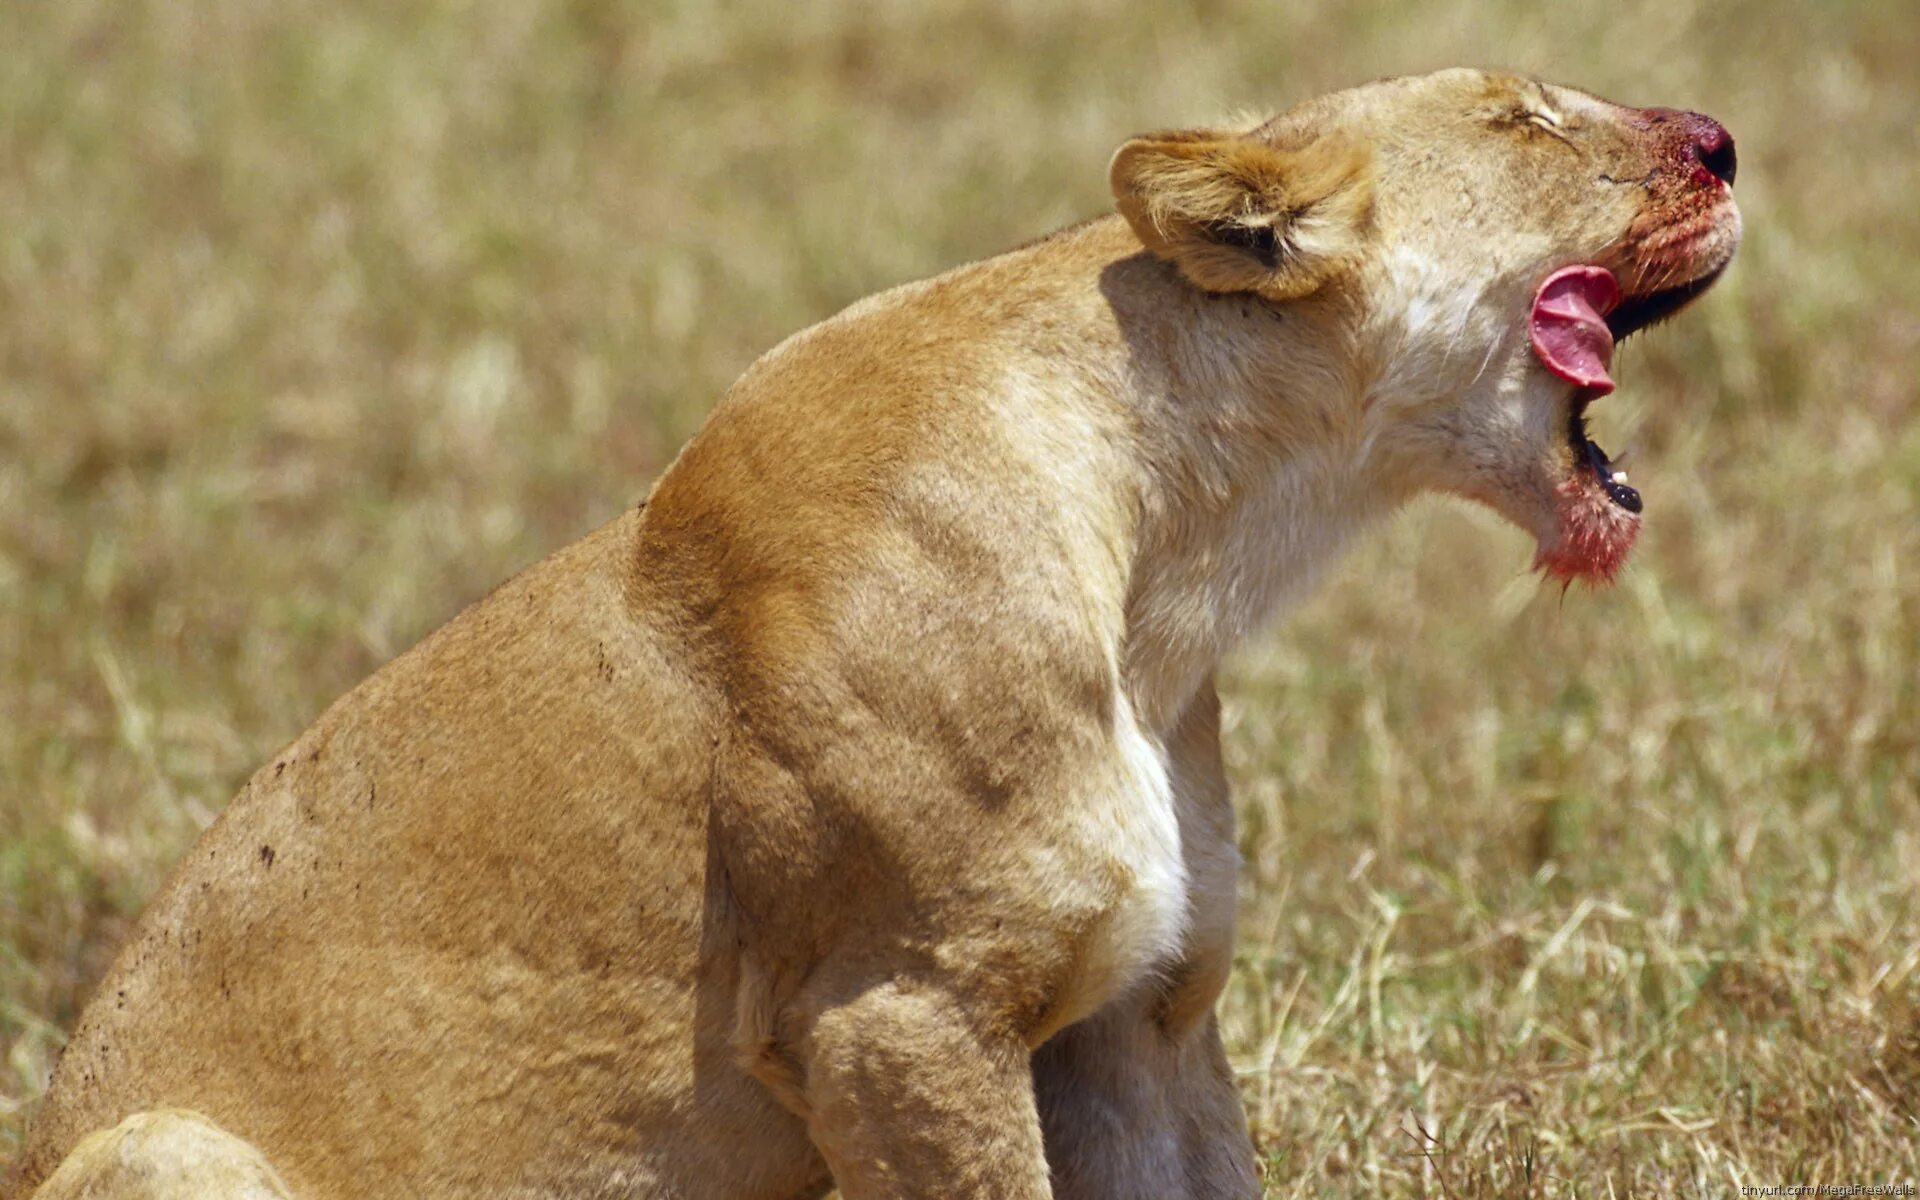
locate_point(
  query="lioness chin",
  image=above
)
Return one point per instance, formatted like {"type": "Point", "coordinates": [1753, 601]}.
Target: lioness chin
{"type": "Point", "coordinates": [852, 812]}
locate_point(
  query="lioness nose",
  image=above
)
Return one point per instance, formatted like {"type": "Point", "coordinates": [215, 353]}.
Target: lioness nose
{"type": "Point", "coordinates": [1713, 147]}
{"type": "Point", "coordinates": [1696, 136]}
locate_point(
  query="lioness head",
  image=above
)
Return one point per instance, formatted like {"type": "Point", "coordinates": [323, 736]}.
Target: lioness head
{"type": "Point", "coordinates": [1484, 240]}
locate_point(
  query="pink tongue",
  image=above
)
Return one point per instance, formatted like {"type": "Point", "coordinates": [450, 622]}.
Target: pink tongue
{"type": "Point", "coordinates": [1569, 327]}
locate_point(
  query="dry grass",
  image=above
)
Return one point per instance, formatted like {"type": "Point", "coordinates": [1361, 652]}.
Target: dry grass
{"type": "Point", "coordinates": [317, 319]}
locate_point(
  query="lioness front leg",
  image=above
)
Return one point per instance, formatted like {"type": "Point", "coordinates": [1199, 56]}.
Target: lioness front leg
{"type": "Point", "coordinates": [1137, 1101]}
{"type": "Point", "coordinates": [909, 1097]}
{"type": "Point", "coordinates": [1138, 1108]}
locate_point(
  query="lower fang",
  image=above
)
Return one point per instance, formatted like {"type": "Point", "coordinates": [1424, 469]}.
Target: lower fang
{"type": "Point", "coordinates": [1619, 476]}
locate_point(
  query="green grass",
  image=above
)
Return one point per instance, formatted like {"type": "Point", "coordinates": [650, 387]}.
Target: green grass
{"type": "Point", "coordinates": [318, 319]}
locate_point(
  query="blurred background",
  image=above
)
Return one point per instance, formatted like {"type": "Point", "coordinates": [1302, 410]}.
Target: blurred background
{"type": "Point", "coordinates": [317, 320]}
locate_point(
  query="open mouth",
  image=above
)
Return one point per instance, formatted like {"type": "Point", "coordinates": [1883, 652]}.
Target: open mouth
{"type": "Point", "coordinates": [1629, 317]}
{"type": "Point", "coordinates": [1578, 317]}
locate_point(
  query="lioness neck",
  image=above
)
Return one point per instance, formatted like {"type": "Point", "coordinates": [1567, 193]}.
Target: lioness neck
{"type": "Point", "coordinates": [1250, 468]}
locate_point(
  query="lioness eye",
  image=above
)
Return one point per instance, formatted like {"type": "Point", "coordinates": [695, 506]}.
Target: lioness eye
{"type": "Point", "coordinates": [1546, 119]}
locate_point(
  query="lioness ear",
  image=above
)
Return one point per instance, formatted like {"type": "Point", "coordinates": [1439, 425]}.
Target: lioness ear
{"type": "Point", "coordinates": [1236, 214]}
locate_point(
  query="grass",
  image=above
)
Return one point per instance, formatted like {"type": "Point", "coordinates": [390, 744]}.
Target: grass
{"type": "Point", "coordinates": [318, 319]}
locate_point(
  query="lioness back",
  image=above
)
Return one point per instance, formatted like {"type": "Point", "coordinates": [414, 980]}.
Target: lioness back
{"type": "Point", "coordinates": [483, 896]}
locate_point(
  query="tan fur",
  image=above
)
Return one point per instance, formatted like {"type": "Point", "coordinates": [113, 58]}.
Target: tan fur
{"type": "Point", "coordinates": [853, 811]}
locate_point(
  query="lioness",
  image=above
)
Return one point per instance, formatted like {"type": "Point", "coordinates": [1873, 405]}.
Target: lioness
{"type": "Point", "coordinates": [852, 813]}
